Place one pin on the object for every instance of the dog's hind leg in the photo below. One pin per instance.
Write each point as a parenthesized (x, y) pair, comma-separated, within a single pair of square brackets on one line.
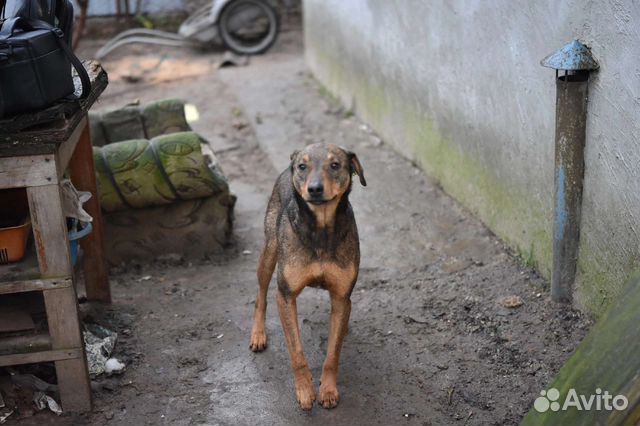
[(266, 265)]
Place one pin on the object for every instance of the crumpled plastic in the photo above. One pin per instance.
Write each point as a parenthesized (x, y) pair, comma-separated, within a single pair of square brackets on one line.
[(72, 201), (42, 401), (5, 412), (99, 343)]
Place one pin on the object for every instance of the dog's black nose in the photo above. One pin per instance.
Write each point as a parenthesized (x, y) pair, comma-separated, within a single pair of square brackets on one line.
[(315, 189)]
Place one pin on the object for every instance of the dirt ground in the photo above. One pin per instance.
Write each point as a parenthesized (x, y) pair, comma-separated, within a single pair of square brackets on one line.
[(429, 341)]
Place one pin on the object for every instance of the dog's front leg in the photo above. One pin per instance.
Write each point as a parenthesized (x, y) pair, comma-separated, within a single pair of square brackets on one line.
[(340, 311), (305, 393), (266, 265)]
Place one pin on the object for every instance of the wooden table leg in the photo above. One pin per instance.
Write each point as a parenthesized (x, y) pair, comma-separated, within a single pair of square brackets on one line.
[(83, 176), (52, 246)]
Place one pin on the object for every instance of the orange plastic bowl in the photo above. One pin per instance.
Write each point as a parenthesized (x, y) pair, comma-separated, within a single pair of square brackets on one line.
[(13, 242)]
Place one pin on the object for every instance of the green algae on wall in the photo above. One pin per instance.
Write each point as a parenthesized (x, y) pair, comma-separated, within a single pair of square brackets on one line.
[(600, 277)]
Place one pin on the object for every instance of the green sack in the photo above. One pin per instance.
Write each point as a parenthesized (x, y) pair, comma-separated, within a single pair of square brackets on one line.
[(140, 173), (164, 117), (123, 124)]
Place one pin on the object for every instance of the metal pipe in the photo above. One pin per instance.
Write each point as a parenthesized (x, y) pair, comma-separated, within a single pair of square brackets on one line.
[(571, 119), (576, 61)]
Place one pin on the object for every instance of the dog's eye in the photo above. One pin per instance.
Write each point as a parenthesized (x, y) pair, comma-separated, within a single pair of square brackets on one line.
[(302, 167), (335, 166)]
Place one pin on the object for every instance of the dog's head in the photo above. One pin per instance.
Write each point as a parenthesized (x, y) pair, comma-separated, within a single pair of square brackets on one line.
[(321, 173)]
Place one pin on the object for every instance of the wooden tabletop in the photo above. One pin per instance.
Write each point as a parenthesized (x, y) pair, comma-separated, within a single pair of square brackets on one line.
[(42, 132)]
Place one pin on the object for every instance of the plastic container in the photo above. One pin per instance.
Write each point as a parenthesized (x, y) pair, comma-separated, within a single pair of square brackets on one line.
[(74, 241), (13, 242)]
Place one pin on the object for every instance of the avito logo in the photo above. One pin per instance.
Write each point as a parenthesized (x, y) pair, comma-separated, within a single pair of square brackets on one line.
[(549, 400)]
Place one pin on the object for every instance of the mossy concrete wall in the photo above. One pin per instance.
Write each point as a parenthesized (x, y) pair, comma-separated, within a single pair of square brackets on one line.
[(457, 87)]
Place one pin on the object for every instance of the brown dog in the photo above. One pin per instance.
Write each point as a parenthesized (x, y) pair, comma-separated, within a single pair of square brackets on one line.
[(310, 232)]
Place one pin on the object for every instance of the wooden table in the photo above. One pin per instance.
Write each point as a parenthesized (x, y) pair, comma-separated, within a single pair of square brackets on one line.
[(35, 151)]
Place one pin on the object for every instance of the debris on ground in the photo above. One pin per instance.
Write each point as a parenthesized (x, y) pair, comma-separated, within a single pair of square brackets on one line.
[(450, 392), (99, 343), (230, 59), (4, 415), (5, 411), (113, 365), (511, 301), (29, 381), (23, 394), (42, 401), (468, 417), (239, 124)]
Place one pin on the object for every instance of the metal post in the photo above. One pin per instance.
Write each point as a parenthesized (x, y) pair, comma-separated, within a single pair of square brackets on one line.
[(571, 119)]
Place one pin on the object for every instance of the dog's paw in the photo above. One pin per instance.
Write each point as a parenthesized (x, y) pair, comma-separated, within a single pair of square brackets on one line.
[(329, 395), (305, 393), (258, 341)]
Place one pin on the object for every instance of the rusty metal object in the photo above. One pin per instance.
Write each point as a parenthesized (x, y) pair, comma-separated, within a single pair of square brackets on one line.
[(571, 118), (571, 115)]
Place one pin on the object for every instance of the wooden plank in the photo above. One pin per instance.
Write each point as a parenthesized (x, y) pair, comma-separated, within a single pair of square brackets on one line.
[(57, 355), (25, 270), (25, 343), (10, 287), (14, 318), (62, 315), (66, 149), (28, 270), (64, 329), (83, 175), (35, 170), (52, 246), (49, 231)]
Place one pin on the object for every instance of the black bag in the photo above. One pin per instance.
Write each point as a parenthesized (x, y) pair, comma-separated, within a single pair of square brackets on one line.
[(42, 10), (58, 13), (35, 66)]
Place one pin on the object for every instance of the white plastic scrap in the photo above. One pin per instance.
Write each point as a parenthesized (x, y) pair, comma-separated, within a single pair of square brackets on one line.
[(5, 416), (113, 366), (42, 401)]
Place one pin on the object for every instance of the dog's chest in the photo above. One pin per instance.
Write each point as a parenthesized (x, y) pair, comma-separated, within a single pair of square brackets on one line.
[(328, 275), (316, 276), (324, 246)]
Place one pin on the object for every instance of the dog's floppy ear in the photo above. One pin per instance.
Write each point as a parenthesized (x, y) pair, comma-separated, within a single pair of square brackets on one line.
[(356, 167), (293, 157)]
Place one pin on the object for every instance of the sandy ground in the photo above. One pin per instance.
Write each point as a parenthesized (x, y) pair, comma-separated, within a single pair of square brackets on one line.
[(429, 341)]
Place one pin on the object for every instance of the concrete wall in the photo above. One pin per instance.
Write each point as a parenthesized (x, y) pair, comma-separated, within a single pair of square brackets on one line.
[(456, 85)]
